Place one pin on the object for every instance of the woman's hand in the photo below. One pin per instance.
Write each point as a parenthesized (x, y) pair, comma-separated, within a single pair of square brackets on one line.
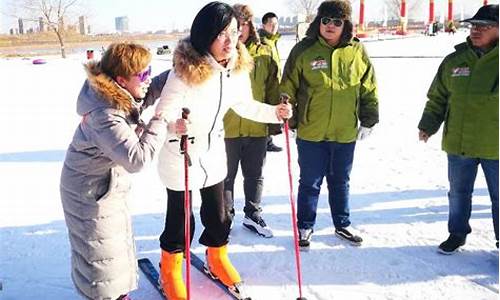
[(179, 127), (284, 111)]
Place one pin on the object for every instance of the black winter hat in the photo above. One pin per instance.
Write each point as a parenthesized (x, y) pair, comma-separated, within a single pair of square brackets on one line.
[(208, 23), (336, 9), (487, 15)]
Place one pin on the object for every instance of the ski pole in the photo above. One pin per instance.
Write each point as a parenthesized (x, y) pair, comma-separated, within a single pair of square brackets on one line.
[(284, 99), (187, 206)]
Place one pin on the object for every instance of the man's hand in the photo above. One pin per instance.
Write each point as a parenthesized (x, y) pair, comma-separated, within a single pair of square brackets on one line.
[(364, 132), (423, 136)]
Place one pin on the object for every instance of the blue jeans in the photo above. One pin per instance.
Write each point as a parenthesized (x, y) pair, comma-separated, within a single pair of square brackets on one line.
[(462, 173), (317, 160)]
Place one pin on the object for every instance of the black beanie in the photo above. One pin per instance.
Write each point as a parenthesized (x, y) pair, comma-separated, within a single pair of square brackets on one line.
[(208, 23)]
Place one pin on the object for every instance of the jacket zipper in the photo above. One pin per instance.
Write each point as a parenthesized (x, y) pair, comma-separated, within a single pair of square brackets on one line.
[(213, 125), (495, 85)]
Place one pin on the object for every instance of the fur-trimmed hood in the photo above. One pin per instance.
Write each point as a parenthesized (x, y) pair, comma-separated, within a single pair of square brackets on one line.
[(194, 68), (100, 90)]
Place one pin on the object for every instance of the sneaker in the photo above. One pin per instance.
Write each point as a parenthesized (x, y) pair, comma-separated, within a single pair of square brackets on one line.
[(305, 236), (257, 225), (451, 245), (274, 148), (346, 235)]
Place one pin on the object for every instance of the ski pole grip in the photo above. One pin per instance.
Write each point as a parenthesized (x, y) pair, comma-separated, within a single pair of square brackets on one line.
[(185, 113), (284, 98)]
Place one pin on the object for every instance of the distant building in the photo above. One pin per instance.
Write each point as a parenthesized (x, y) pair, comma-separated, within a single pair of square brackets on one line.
[(21, 26), (81, 24), (41, 25), (88, 29), (121, 24)]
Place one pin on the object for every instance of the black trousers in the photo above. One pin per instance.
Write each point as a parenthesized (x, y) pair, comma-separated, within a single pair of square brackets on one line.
[(215, 217), (251, 153)]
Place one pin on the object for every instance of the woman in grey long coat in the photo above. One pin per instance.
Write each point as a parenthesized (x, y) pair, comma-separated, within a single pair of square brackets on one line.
[(110, 142)]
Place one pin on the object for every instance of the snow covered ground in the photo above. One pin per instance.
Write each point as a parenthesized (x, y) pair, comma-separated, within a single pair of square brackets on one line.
[(398, 198)]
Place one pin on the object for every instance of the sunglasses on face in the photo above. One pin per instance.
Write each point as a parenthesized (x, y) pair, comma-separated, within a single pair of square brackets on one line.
[(337, 22), (143, 76)]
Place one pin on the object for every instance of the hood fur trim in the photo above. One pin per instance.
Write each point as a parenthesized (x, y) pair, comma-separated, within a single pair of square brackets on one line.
[(107, 88), (194, 68)]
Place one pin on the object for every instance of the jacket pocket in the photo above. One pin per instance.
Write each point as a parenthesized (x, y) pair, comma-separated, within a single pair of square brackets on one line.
[(118, 184)]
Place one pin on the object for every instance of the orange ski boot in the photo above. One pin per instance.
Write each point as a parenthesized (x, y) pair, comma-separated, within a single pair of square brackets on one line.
[(171, 275), (221, 267)]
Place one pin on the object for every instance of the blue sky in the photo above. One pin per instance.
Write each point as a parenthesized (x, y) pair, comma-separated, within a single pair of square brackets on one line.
[(154, 15)]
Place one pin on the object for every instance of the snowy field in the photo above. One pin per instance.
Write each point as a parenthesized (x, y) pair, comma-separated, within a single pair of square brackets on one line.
[(398, 198)]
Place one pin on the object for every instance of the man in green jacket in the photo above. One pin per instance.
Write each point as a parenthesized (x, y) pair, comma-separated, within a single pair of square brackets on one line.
[(331, 83), (246, 140), (464, 95), (269, 36)]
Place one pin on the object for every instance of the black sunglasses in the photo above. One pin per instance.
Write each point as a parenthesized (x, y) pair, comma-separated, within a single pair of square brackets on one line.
[(335, 21)]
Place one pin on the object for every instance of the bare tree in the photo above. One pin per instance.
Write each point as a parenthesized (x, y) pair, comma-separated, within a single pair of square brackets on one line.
[(55, 14), (394, 7), (305, 7)]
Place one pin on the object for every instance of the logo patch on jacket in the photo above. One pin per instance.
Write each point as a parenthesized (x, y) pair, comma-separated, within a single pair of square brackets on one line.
[(460, 72), (319, 63)]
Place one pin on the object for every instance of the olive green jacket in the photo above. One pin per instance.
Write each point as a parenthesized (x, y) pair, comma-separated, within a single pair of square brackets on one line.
[(331, 88), (265, 88), (272, 41), (464, 95)]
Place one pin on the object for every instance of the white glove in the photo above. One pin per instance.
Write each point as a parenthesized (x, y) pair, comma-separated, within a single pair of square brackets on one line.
[(364, 132)]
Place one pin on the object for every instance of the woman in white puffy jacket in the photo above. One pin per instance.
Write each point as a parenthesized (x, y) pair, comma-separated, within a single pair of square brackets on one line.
[(209, 77)]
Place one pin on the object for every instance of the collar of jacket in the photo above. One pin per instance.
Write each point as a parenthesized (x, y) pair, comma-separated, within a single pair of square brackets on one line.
[(108, 88), (273, 37), (341, 44), (478, 51), (195, 69)]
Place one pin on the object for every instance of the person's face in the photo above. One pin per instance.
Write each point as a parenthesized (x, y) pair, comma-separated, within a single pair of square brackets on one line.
[(482, 36), (271, 26), (245, 31), (137, 85), (331, 29), (225, 43)]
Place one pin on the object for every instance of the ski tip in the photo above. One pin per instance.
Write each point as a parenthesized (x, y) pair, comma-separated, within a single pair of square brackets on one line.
[(302, 298)]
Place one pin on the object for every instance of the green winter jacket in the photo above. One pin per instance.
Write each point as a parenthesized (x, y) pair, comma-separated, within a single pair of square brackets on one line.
[(330, 88), (265, 88), (464, 94), (272, 41)]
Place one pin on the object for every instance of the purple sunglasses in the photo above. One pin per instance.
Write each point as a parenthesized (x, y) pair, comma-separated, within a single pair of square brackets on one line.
[(143, 76)]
